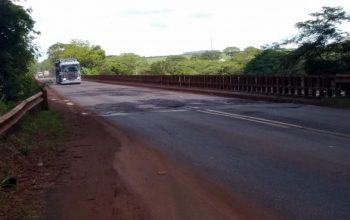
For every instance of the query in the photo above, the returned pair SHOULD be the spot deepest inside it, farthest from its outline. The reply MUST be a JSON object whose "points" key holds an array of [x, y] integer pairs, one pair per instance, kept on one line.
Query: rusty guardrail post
{"points": [[343, 83], [45, 101]]}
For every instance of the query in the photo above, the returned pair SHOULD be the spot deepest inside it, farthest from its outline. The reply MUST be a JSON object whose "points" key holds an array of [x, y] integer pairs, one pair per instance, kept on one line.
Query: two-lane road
{"points": [[290, 158]]}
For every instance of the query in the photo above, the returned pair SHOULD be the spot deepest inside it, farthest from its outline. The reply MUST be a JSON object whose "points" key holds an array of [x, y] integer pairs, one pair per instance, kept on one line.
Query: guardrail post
{"points": [[45, 104]]}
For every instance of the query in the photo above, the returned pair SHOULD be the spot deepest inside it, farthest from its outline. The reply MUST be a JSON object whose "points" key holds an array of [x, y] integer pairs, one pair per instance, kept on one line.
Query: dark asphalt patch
{"points": [[110, 92]]}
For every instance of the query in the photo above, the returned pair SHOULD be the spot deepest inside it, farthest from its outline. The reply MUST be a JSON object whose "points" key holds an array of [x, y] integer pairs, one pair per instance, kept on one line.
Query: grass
{"points": [[45, 123], [43, 130], [4, 107], [28, 213], [34, 139]]}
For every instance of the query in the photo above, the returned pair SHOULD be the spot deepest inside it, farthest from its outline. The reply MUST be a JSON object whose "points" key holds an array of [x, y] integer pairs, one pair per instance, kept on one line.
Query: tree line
{"points": [[16, 52], [322, 48], [93, 60]]}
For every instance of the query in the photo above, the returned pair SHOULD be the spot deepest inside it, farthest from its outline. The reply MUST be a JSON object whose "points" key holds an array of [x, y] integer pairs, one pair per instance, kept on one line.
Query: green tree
{"points": [[54, 51], [267, 62], [205, 67], [207, 55], [16, 48], [231, 51], [158, 68], [322, 46], [126, 64], [241, 59], [174, 65], [231, 68], [43, 65], [186, 67], [91, 57], [183, 68], [175, 58]]}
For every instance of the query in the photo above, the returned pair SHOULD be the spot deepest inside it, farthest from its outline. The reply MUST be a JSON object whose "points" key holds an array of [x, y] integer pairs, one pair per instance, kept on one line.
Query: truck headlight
{"points": [[64, 79]]}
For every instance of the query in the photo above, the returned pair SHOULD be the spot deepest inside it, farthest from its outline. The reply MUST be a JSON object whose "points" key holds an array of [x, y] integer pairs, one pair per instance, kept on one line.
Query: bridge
{"points": [[289, 160]]}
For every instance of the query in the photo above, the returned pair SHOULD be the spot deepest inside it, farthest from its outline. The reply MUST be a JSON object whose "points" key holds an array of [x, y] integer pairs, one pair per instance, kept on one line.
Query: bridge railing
{"points": [[297, 86]]}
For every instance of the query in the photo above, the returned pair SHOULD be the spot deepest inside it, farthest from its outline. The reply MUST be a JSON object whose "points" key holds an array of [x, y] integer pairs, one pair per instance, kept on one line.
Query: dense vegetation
{"points": [[91, 57], [322, 48], [16, 52], [94, 61]]}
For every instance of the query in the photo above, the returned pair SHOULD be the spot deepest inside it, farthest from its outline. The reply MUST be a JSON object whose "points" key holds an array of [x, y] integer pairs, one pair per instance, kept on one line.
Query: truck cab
{"points": [[67, 71]]}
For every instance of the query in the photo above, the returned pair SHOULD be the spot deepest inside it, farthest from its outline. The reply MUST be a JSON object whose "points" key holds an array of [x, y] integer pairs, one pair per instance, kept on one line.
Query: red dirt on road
{"points": [[110, 174]]}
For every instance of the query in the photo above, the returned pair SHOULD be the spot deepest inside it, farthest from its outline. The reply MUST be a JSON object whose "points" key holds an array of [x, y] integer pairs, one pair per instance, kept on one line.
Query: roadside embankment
{"points": [[28, 164], [88, 185]]}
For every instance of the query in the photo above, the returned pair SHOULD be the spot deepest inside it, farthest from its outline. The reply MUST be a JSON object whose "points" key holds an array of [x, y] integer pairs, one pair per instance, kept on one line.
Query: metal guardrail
{"points": [[295, 86], [10, 118]]}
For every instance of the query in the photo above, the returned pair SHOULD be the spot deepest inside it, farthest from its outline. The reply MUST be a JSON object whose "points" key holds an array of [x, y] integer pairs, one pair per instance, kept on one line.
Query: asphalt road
{"points": [[290, 158]]}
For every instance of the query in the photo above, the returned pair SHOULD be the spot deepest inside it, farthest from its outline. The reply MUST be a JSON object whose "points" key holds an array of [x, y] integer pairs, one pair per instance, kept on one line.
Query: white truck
{"points": [[67, 71]]}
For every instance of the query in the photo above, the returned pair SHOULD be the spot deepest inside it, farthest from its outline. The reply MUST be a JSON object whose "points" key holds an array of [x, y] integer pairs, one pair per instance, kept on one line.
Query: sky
{"points": [[166, 27]]}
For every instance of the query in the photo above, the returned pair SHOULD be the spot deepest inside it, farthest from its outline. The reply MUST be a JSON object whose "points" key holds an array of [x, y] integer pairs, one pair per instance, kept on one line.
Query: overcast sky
{"points": [[164, 27]]}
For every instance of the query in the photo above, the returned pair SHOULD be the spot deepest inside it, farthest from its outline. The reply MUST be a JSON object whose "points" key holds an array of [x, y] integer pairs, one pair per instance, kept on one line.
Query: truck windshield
{"points": [[70, 68]]}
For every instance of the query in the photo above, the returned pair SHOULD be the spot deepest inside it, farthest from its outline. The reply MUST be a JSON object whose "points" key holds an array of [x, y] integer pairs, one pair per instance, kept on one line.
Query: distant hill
{"points": [[154, 59], [194, 52], [188, 55]]}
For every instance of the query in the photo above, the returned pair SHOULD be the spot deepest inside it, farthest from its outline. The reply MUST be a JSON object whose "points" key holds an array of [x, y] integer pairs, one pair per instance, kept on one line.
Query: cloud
{"points": [[201, 15], [168, 26], [136, 12], [158, 25]]}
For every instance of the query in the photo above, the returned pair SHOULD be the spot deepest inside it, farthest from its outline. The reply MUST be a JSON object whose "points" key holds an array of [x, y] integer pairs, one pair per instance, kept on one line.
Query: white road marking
{"points": [[256, 118], [174, 110], [84, 113], [115, 114], [242, 118], [69, 103], [130, 113], [270, 122]]}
